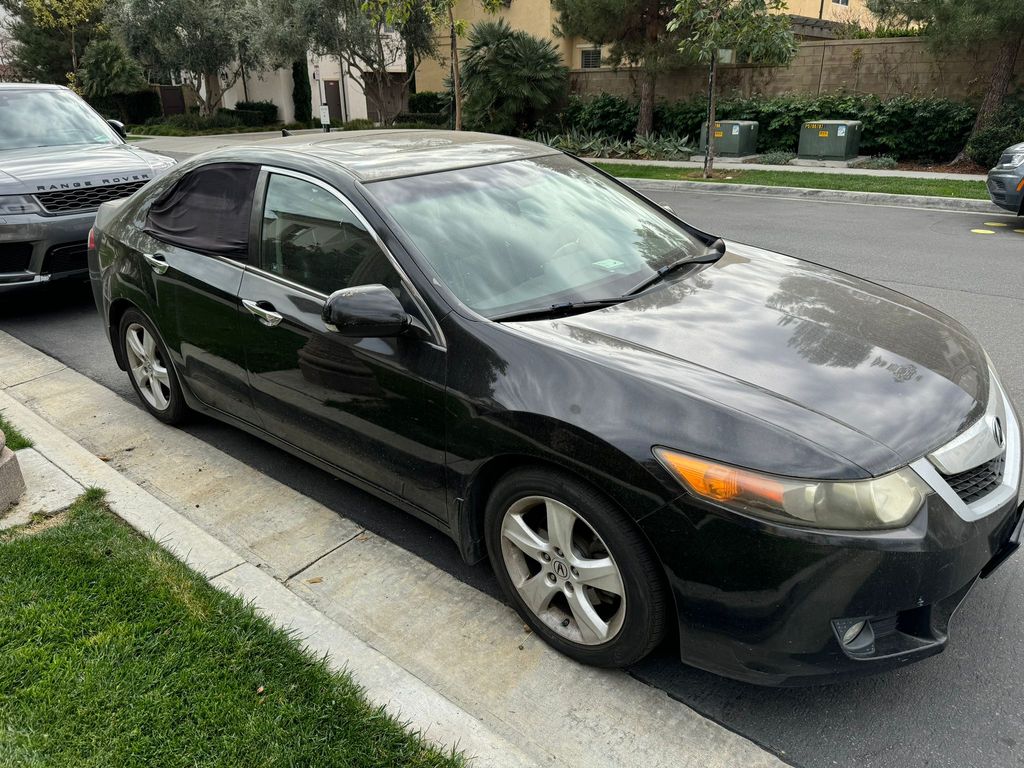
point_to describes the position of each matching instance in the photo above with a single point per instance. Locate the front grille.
(84, 198)
(14, 257)
(979, 482)
(66, 258)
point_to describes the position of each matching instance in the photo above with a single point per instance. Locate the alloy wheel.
(147, 366)
(562, 570)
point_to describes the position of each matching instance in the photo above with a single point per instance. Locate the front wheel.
(150, 369)
(576, 569)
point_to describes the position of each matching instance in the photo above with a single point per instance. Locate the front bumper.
(36, 249)
(1006, 189)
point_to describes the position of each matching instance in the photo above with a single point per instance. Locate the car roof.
(391, 153)
(31, 87)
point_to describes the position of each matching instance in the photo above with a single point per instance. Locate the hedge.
(135, 107)
(906, 127)
(267, 111)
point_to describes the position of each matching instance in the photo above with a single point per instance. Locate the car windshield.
(49, 119)
(529, 234)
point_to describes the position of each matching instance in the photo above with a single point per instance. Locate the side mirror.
(366, 311)
(118, 127)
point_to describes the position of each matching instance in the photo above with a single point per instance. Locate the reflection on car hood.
(879, 363)
(38, 169)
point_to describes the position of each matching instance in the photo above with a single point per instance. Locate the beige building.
(539, 19)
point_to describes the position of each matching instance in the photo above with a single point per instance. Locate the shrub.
(1006, 129)
(599, 145)
(359, 124)
(777, 158)
(511, 78)
(605, 114)
(267, 111)
(136, 107)
(302, 94)
(428, 101)
(878, 163)
(429, 118)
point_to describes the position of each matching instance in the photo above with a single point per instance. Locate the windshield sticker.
(609, 264)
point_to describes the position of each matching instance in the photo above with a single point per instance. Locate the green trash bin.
(830, 140)
(733, 138)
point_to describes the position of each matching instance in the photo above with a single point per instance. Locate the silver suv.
(58, 161)
(1006, 180)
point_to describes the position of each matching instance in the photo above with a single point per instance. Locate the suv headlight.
(1011, 160)
(15, 204)
(890, 501)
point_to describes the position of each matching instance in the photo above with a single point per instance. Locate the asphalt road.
(964, 708)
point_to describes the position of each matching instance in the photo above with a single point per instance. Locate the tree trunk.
(456, 79)
(214, 94)
(74, 53)
(709, 156)
(999, 83)
(645, 123)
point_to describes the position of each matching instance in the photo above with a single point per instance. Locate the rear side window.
(207, 211)
(312, 238)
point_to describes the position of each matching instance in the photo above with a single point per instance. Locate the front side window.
(528, 234)
(49, 119)
(312, 238)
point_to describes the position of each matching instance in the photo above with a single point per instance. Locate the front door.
(374, 407)
(332, 93)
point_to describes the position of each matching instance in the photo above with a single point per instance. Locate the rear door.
(374, 407)
(196, 245)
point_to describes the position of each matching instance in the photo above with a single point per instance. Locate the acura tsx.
(652, 434)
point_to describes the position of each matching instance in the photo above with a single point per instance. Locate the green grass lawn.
(895, 185)
(14, 439)
(115, 654)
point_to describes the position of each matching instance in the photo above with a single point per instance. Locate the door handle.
(156, 261)
(265, 313)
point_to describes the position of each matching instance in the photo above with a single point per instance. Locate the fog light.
(851, 634)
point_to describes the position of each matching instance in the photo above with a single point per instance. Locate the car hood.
(868, 359)
(38, 169)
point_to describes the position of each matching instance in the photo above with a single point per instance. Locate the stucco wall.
(886, 67)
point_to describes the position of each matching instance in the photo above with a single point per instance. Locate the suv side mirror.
(366, 311)
(119, 128)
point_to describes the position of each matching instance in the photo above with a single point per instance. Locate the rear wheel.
(150, 369)
(575, 568)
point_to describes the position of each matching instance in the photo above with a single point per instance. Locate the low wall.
(886, 67)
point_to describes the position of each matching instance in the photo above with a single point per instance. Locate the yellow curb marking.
(995, 224)
(1019, 231)
(983, 231)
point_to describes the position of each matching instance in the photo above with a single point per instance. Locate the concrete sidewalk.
(451, 660)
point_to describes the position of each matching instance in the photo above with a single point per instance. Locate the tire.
(150, 369)
(530, 515)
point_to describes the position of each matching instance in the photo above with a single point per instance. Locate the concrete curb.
(385, 682)
(955, 204)
(12, 484)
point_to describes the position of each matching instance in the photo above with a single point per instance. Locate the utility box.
(733, 138)
(830, 140)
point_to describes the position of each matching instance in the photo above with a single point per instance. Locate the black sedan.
(651, 433)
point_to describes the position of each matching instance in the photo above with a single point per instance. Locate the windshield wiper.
(714, 252)
(558, 310)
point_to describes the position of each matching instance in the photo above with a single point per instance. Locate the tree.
(510, 77)
(41, 53)
(755, 30)
(65, 16)
(441, 14)
(198, 38)
(637, 34)
(953, 25)
(302, 94)
(108, 70)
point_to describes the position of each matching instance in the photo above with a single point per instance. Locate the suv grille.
(979, 482)
(66, 258)
(84, 198)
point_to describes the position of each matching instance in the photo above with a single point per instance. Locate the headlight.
(891, 501)
(1011, 160)
(13, 204)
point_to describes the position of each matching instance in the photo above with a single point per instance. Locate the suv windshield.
(530, 234)
(49, 119)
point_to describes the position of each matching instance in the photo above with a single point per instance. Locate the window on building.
(840, 2)
(590, 58)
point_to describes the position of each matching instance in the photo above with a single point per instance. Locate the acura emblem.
(997, 432)
(560, 570)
